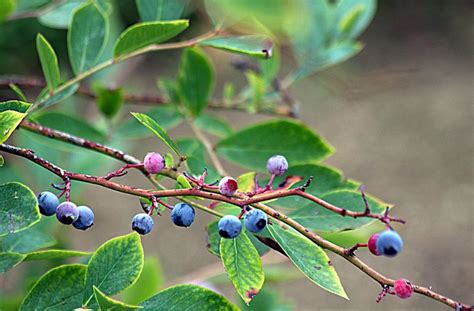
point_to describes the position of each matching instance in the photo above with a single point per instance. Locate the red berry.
(372, 244)
(153, 162)
(403, 288)
(228, 186)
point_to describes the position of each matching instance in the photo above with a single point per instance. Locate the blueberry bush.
(285, 200)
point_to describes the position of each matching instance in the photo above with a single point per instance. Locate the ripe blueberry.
(67, 213)
(255, 220)
(277, 165)
(85, 219)
(142, 223)
(372, 244)
(182, 215)
(153, 162)
(228, 186)
(389, 243)
(229, 227)
(47, 202)
(403, 288)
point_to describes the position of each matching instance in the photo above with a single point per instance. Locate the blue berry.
(142, 223)
(182, 215)
(47, 202)
(389, 243)
(85, 219)
(277, 165)
(229, 227)
(67, 213)
(255, 220)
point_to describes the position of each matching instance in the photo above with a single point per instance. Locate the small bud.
(228, 186)
(153, 162)
(403, 288)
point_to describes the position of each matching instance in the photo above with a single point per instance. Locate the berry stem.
(122, 171)
(350, 251)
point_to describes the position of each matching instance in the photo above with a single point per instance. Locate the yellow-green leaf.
(110, 304)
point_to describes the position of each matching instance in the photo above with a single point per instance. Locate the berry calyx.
(67, 213)
(277, 165)
(403, 288)
(153, 162)
(142, 223)
(47, 203)
(372, 244)
(255, 220)
(229, 227)
(389, 243)
(182, 215)
(85, 219)
(228, 186)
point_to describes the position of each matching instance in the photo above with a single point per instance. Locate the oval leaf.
(56, 254)
(114, 266)
(253, 45)
(243, 265)
(30, 239)
(60, 16)
(143, 34)
(309, 258)
(251, 147)
(9, 260)
(49, 62)
(187, 297)
(213, 125)
(59, 289)
(107, 303)
(9, 121)
(160, 10)
(149, 282)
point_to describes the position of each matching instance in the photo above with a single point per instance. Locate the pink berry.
(153, 162)
(403, 288)
(372, 244)
(228, 186)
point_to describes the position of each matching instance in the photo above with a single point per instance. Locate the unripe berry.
(277, 165)
(228, 186)
(403, 288)
(142, 223)
(229, 227)
(67, 213)
(372, 244)
(85, 219)
(255, 220)
(47, 203)
(182, 215)
(389, 243)
(153, 162)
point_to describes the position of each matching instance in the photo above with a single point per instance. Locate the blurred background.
(399, 115)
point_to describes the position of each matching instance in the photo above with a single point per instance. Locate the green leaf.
(318, 218)
(28, 240)
(114, 266)
(166, 116)
(15, 105)
(195, 80)
(9, 121)
(169, 161)
(252, 45)
(267, 300)
(6, 8)
(9, 260)
(196, 159)
(309, 258)
(149, 282)
(109, 101)
(18, 209)
(157, 130)
(60, 16)
(251, 147)
(160, 10)
(56, 254)
(144, 34)
(87, 37)
(243, 265)
(46, 100)
(49, 62)
(213, 125)
(271, 66)
(58, 289)
(107, 303)
(2, 161)
(246, 182)
(353, 17)
(187, 297)
(18, 92)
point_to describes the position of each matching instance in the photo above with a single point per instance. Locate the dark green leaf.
(157, 130)
(49, 62)
(114, 266)
(107, 303)
(6, 8)
(213, 125)
(46, 100)
(253, 45)
(251, 147)
(187, 297)
(18, 208)
(243, 265)
(9, 260)
(309, 258)
(87, 37)
(28, 240)
(56, 254)
(195, 80)
(195, 158)
(160, 10)
(109, 101)
(144, 34)
(18, 92)
(15, 105)
(58, 289)
(60, 16)
(149, 282)
(267, 300)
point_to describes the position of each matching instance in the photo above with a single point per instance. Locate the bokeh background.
(400, 115)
